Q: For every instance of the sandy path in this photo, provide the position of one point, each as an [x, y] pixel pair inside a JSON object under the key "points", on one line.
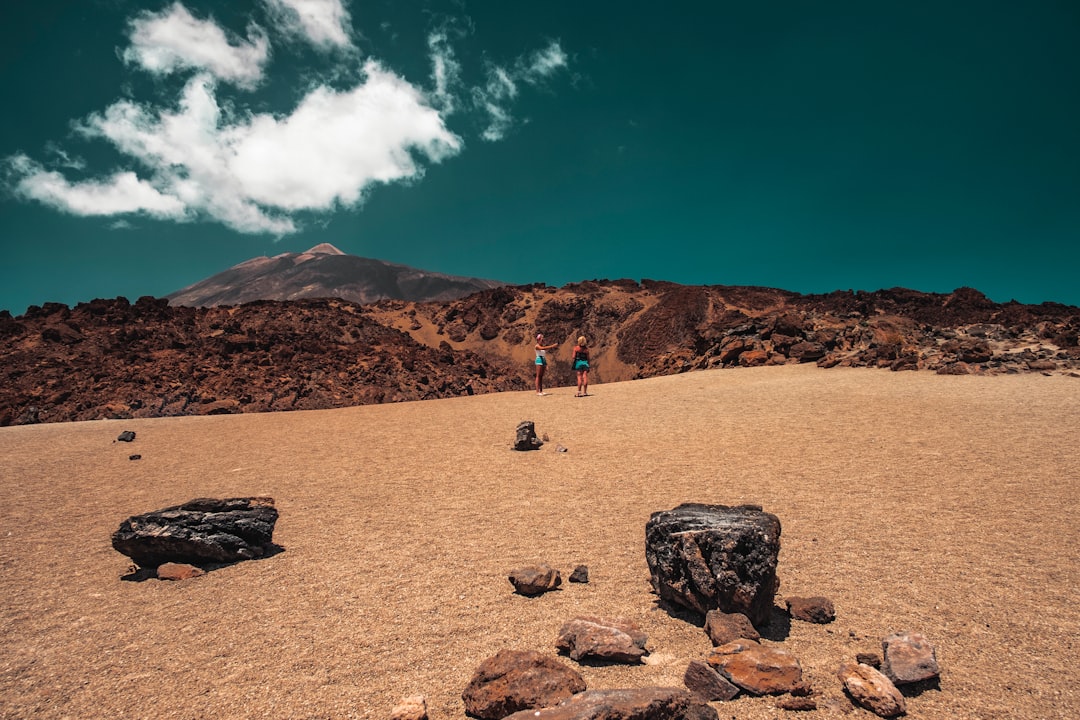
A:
{"points": [[915, 501]]}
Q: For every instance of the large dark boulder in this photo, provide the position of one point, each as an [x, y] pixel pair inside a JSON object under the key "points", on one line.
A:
{"points": [[707, 557], [200, 532]]}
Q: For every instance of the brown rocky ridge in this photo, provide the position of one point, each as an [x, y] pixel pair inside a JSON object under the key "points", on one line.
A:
{"points": [[117, 359]]}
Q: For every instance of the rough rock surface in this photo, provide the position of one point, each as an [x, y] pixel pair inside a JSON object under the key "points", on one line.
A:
{"points": [[815, 609], [609, 639], [872, 690], [648, 703], [722, 627], [580, 574], [702, 680], [199, 532], [535, 579], [908, 658], [757, 669], [707, 557], [525, 436], [117, 359], [514, 680]]}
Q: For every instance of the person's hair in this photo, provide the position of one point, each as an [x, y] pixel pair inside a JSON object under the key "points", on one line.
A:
{"points": [[581, 340]]}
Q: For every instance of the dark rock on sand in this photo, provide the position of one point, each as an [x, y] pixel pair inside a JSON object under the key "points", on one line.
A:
{"points": [[707, 557], [199, 532], [580, 574], [525, 438]]}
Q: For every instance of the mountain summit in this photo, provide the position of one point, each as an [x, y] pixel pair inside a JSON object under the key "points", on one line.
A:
{"points": [[324, 271]]}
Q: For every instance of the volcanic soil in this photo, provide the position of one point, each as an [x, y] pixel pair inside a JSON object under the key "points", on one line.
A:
{"points": [[915, 501]]}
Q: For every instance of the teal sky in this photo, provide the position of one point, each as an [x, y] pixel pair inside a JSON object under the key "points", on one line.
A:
{"points": [[806, 146]]}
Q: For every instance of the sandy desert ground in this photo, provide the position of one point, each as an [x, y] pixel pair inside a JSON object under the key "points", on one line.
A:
{"points": [[944, 505]]}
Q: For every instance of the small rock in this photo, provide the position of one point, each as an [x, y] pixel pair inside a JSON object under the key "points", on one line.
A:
{"points": [[580, 574], [411, 708], [535, 579], [722, 627], [908, 658], [796, 704], [757, 669], [869, 658], [126, 436], [513, 680], [560, 448], [134, 457], [178, 571], [872, 690], [614, 640], [706, 682], [526, 436], [815, 609]]}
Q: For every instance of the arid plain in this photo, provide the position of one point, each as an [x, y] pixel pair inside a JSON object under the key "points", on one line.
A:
{"points": [[938, 504]]}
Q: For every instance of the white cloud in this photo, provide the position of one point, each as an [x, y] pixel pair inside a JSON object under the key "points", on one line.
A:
{"points": [[501, 88], [120, 193], [174, 39], [325, 23], [254, 172], [251, 175], [445, 73], [545, 63]]}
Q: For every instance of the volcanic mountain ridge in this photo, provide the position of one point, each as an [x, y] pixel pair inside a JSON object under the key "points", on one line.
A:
{"points": [[117, 359]]}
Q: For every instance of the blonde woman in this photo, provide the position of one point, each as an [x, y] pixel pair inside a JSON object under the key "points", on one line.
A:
{"points": [[541, 362], [581, 365]]}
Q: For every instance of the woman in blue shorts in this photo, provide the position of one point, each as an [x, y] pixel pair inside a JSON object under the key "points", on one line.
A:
{"points": [[581, 365], [541, 361]]}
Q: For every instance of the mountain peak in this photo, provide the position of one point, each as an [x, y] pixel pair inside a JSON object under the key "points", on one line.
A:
{"points": [[323, 249]]}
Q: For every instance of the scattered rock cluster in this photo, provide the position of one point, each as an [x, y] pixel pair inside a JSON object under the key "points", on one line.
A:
{"points": [[719, 561]]}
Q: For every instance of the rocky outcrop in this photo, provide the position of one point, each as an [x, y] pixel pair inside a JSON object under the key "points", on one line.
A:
{"points": [[116, 359], [706, 557], [514, 680], [200, 532]]}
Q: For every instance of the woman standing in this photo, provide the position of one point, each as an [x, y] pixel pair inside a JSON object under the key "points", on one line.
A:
{"points": [[581, 365], [541, 361]]}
